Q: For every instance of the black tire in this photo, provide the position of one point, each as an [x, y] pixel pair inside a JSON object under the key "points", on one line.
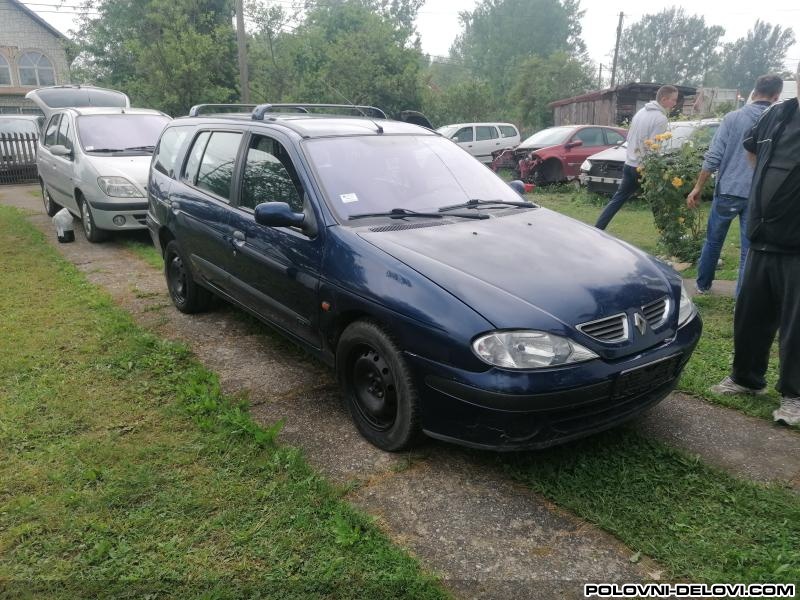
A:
{"points": [[93, 233], [548, 173], [187, 296], [50, 207], [377, 388]]}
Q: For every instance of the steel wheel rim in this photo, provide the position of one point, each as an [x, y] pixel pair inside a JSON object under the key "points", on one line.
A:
{"points": [[86, 219], [47, 201], [177, 278], [374, 389]]}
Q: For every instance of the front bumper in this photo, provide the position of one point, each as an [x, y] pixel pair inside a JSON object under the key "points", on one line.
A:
{"points": [[503, 410], [133, 211], [599, 185]]}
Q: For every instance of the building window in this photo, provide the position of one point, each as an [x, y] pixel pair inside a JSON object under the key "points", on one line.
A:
{"points": [[5, 71], [35, 69]]}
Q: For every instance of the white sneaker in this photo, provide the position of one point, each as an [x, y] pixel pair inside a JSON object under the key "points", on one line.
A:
{"points": [[789, 411], [728, 386]]}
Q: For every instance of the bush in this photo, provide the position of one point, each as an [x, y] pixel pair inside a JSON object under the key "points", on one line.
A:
{"points": [[666, 179]]}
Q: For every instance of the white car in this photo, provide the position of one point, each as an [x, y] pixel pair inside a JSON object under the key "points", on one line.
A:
{"points": [[94, 156], [481, 139], [601, 173]]}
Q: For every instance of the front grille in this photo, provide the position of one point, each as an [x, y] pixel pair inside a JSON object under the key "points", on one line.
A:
{"points": [[606, 168], [141, 218], [656, 313], [610, 329]]}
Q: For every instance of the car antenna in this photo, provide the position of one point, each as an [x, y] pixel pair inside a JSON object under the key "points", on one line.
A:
{"points": [[351, 103]]}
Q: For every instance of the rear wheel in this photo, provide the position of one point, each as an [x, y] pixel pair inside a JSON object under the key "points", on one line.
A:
{"points": [[50, 207], [93, 233], [187, 296], [377, 387]]}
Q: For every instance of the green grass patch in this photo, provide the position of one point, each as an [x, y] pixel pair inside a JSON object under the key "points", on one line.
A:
{"points": [[146, 251], [124, 472], [700, 523]]}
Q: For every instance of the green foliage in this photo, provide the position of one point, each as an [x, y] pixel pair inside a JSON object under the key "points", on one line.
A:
{"points": [[165, 54], [545, 79], [666, 179], [470, 100], [763, 50], [668, 47]]}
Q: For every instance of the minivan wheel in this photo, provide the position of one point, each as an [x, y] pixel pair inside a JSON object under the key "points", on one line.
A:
{"points": [[50, 207], [187, 296], [93, 233], [377, 388]]}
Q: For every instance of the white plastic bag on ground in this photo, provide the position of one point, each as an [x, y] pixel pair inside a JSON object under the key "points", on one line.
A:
{"points": [[63, 222]]}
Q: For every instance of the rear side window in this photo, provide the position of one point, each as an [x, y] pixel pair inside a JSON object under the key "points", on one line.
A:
{"points": [[507, 131], [216, 167], [65, 133], [463, 135], [51, 134], [483, 132], [167, 152]]}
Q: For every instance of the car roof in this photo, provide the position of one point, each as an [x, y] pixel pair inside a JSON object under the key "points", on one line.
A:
{"points": [[314, 126], [477, 123]]}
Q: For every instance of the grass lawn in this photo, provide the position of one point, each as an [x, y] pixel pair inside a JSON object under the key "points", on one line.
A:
{"points": [[125, 473]]}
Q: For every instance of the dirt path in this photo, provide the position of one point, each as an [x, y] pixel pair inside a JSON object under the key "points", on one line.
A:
{"points": [[486, 536]]}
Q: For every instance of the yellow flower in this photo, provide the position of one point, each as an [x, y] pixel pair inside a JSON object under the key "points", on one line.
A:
{"points": [[677, 182], [666, 135], [681, 220], [665, 176], [639, 169]]}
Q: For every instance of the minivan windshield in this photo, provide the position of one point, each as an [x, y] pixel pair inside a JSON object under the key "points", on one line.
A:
{"points": [[373, 174], [137, 134], [548, 137]]}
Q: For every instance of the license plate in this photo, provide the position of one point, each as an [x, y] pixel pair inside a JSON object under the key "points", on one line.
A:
{"points": [[652, 375]]}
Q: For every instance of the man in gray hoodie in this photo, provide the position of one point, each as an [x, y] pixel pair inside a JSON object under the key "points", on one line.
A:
{"points": [[727, 157], [648, 122]]}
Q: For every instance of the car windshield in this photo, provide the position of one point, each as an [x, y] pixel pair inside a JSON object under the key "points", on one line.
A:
{"points": [[448, 130], [373, 174], [115, 133], [549, 137], [18, 126]]}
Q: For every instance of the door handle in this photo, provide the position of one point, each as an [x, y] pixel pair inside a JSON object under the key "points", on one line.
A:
{"points": [[238, 239]]}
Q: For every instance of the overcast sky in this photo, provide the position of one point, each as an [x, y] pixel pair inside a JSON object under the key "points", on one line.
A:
{"points": [[438, 25]]}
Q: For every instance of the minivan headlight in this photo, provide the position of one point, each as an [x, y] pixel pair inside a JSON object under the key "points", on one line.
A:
{"points": [[687, 308], [528, 350], [118, 187], [586, 166]]}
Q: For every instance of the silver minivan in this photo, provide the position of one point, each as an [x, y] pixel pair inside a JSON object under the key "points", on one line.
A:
{"points": [[482, 139], [94, 155]]}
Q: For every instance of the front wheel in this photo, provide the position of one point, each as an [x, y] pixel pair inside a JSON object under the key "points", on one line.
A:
{"points": [[93, 233], [377, 387], [187, 296]]}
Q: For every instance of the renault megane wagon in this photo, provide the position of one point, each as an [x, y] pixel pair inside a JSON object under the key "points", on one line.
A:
{"points": [[448, 306]]}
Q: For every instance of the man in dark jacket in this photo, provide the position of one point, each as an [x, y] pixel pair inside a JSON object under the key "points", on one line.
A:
{"points": [[769, 296]]}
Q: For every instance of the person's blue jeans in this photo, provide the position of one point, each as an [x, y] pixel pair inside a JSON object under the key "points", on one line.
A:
{"points": [[724, 209], [627, 188]]}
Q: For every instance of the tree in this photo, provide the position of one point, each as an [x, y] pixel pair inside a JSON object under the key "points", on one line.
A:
{"points": [[761, 51], [465, 101], [499, 35], [544, 80], [165, 54], [669, 47]]}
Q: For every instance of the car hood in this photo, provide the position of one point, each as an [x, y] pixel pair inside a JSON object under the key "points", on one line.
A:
{"points": [[133, 168], [537, 147], [526, 268], [617, 153]]}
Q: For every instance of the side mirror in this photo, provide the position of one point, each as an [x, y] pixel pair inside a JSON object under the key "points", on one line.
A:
{"points": [[278, 214], [574, 144], [59, 150]]}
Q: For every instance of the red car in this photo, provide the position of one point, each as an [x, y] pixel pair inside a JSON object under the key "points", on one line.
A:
{"points": [[555, 154]]}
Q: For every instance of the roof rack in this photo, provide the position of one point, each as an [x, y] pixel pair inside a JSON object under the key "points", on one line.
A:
{"points": [[357, 110], [200, 109]]}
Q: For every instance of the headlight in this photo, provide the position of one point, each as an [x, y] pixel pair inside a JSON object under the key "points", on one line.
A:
{"points": [[528, 350], [687, 308], [118, 187], [586, 165]]}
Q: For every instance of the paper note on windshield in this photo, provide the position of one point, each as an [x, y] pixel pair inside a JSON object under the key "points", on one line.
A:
{"points": [[348, 198]]}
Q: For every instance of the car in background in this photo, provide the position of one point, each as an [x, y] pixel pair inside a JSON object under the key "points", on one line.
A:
{"points": [[554, 155], [601, 173], [18, 135], [93, 160], [394, 257], [482, 140]]}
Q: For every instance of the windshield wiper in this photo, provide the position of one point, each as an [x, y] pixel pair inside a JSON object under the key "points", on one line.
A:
{"points": [[476, 203], [400, 213], [143, 148], [106, 150]]}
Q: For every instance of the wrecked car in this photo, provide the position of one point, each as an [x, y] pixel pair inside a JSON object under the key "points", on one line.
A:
{"points": [[554, 155]]}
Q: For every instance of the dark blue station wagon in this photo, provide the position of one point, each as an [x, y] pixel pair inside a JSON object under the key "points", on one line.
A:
{"points": [[447, 304]]}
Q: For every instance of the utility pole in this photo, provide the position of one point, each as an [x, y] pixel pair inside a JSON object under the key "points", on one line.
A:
{"points": [[616, 51], [600, 77], [241, 40]]}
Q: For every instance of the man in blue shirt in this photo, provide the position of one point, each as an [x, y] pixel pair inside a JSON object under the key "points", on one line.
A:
{"points": [[727, 157]]}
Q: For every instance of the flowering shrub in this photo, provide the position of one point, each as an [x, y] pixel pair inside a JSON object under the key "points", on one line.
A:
{"points": [[666, 179]]}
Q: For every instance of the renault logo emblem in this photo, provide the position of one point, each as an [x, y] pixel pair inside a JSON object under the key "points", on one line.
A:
{"points": [[640, 323]]}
